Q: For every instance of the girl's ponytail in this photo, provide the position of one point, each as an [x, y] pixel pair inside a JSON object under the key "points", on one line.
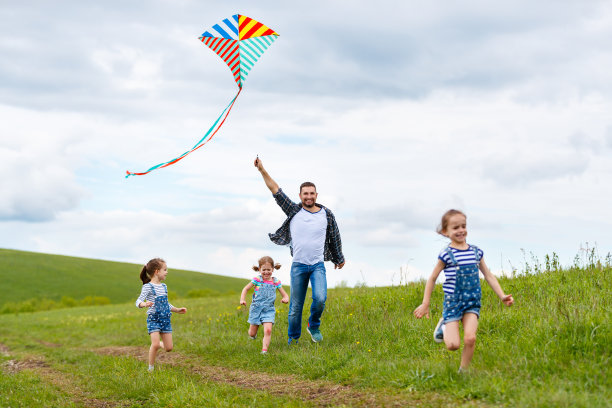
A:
{"points": [[150, 268], [266, 260]]}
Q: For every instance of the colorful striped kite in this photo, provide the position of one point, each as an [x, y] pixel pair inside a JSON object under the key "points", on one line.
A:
{"points": [[239, 41]]}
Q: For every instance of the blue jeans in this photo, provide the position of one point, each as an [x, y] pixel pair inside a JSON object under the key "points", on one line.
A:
{"points": [[300, 275]]}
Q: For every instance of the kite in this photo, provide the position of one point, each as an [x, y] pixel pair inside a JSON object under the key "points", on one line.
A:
{"points": [[239, 41]]}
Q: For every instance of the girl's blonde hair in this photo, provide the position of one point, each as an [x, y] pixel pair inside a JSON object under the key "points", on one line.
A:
{"points": [[266, 260], [150, 268], [444, 222]]}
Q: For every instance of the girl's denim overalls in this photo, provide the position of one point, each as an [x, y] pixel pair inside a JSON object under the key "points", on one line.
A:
{"points": [[159, 320], [467, 295], [262, 307]]}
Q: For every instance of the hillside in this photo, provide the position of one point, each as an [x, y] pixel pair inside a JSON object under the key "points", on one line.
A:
{"points": [[30, 275], [551, 349]]}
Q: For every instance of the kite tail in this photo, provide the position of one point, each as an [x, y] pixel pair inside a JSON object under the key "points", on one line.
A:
{"points": [[207, 138]]}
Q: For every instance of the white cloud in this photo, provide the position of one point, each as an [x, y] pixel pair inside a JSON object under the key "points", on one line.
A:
{"points": [[502, 111]]}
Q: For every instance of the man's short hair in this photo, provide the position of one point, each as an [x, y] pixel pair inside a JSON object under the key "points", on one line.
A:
{"points": [[307, 184]]}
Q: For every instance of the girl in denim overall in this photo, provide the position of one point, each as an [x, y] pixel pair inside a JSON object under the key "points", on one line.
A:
{"points": [[262, 310], [461, 263], [154, 295]]}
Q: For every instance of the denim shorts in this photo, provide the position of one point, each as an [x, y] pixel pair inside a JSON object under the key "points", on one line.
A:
{"points": [[157, 324], [455, 308], [260, 314]]}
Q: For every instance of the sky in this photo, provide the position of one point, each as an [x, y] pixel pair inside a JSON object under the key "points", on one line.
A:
{"points": [[396, 110]]}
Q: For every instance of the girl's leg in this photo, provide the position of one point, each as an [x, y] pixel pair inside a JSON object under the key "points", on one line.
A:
{"points": [[267, 335], [451, 335], [253, 330], [154, 347], [167, 339], [470, 325]]}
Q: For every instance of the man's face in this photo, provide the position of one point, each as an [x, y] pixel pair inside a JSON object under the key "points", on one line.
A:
{"points": [[308, 195]]}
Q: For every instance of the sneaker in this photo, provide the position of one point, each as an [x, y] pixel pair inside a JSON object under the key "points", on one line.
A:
{"points": [[438, 334], [315, 334], [252, 337], [264, 351], [292, 341]]}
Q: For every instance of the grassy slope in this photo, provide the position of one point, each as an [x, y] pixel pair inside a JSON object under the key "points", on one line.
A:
{"points": [[552, 348], [35, 275]]}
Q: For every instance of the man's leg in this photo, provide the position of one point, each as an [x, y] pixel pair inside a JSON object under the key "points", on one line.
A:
{"points": [[318, 282], [299, 284]]}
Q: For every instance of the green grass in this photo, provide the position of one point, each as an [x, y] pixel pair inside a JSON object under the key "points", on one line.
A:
{"points": [[551, 349], [32, 275]]}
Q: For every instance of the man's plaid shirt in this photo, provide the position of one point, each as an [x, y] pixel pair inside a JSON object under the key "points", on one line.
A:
{"points": [[333, 244]]}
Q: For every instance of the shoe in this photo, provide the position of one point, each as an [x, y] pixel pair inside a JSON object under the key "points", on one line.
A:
{"points": [[438, 334], [292, 341], [264, 351], [252, 337], [315, 334]]}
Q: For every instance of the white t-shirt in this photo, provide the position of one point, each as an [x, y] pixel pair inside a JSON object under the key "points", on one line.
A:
{"points": [[308, 236]]}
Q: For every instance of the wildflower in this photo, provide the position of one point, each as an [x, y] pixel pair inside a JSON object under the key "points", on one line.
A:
{"points": [[369, 351], [238, 308], [358, 342]]}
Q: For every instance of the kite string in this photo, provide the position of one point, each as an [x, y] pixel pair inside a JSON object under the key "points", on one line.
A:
{"points": [[205, 139]]}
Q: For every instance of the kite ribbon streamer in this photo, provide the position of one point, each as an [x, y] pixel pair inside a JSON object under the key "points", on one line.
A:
{"points": [[207, 138]]}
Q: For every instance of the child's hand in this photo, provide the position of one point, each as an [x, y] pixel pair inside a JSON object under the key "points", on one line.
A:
{"points": [[421, 311], [181, 310], [243, 302], [147, 304], [508, 300], [285, 300]]}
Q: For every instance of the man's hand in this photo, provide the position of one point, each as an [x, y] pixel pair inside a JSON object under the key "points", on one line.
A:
{"points": [[258, 164], [270, 183], [338, 266]]}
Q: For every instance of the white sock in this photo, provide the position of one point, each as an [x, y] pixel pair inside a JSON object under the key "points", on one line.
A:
{"points": [[151, 367]]}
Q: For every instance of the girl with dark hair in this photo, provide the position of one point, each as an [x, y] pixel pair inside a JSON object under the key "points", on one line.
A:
{"points": [[154, 296]]}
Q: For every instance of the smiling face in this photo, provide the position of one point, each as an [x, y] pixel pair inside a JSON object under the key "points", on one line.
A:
{"points": [[162, 272], [308, 196], [266, 271], [456, 230]]}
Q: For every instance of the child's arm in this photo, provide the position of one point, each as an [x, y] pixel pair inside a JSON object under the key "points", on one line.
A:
{"points": [[285, 298], [142, 299], [244, 292], [492, 281], [423, 310], [180, 310]]}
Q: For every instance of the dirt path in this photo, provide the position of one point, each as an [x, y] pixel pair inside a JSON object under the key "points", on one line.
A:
{"points": [[318, 393], [59, 379]]}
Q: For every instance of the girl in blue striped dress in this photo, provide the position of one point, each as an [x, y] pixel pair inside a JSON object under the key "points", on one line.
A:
{"points": [[154, 296], [460, 262]]}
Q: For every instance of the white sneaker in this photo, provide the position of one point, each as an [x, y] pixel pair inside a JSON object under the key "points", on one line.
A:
{"points": [[438, 333]]}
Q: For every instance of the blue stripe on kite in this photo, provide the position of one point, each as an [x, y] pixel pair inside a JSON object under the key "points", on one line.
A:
{"points": [[253, 50], [221, 31], [262, 41], [248, 55], [246, 62], [206, 34], [252, 45], [231, 26], [222, 50]]}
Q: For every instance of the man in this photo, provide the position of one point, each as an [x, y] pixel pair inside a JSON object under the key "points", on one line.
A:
{"points": [[313, 236]]}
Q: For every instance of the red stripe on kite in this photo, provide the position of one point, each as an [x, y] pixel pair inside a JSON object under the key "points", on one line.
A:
{"points": [[253, 30]]}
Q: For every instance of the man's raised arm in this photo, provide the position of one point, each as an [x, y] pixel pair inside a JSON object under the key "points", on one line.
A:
{"points": [[268, 180]]}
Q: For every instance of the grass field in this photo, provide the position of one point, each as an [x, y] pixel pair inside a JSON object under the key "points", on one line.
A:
{"points": [[31, 275], [551, 349]]}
